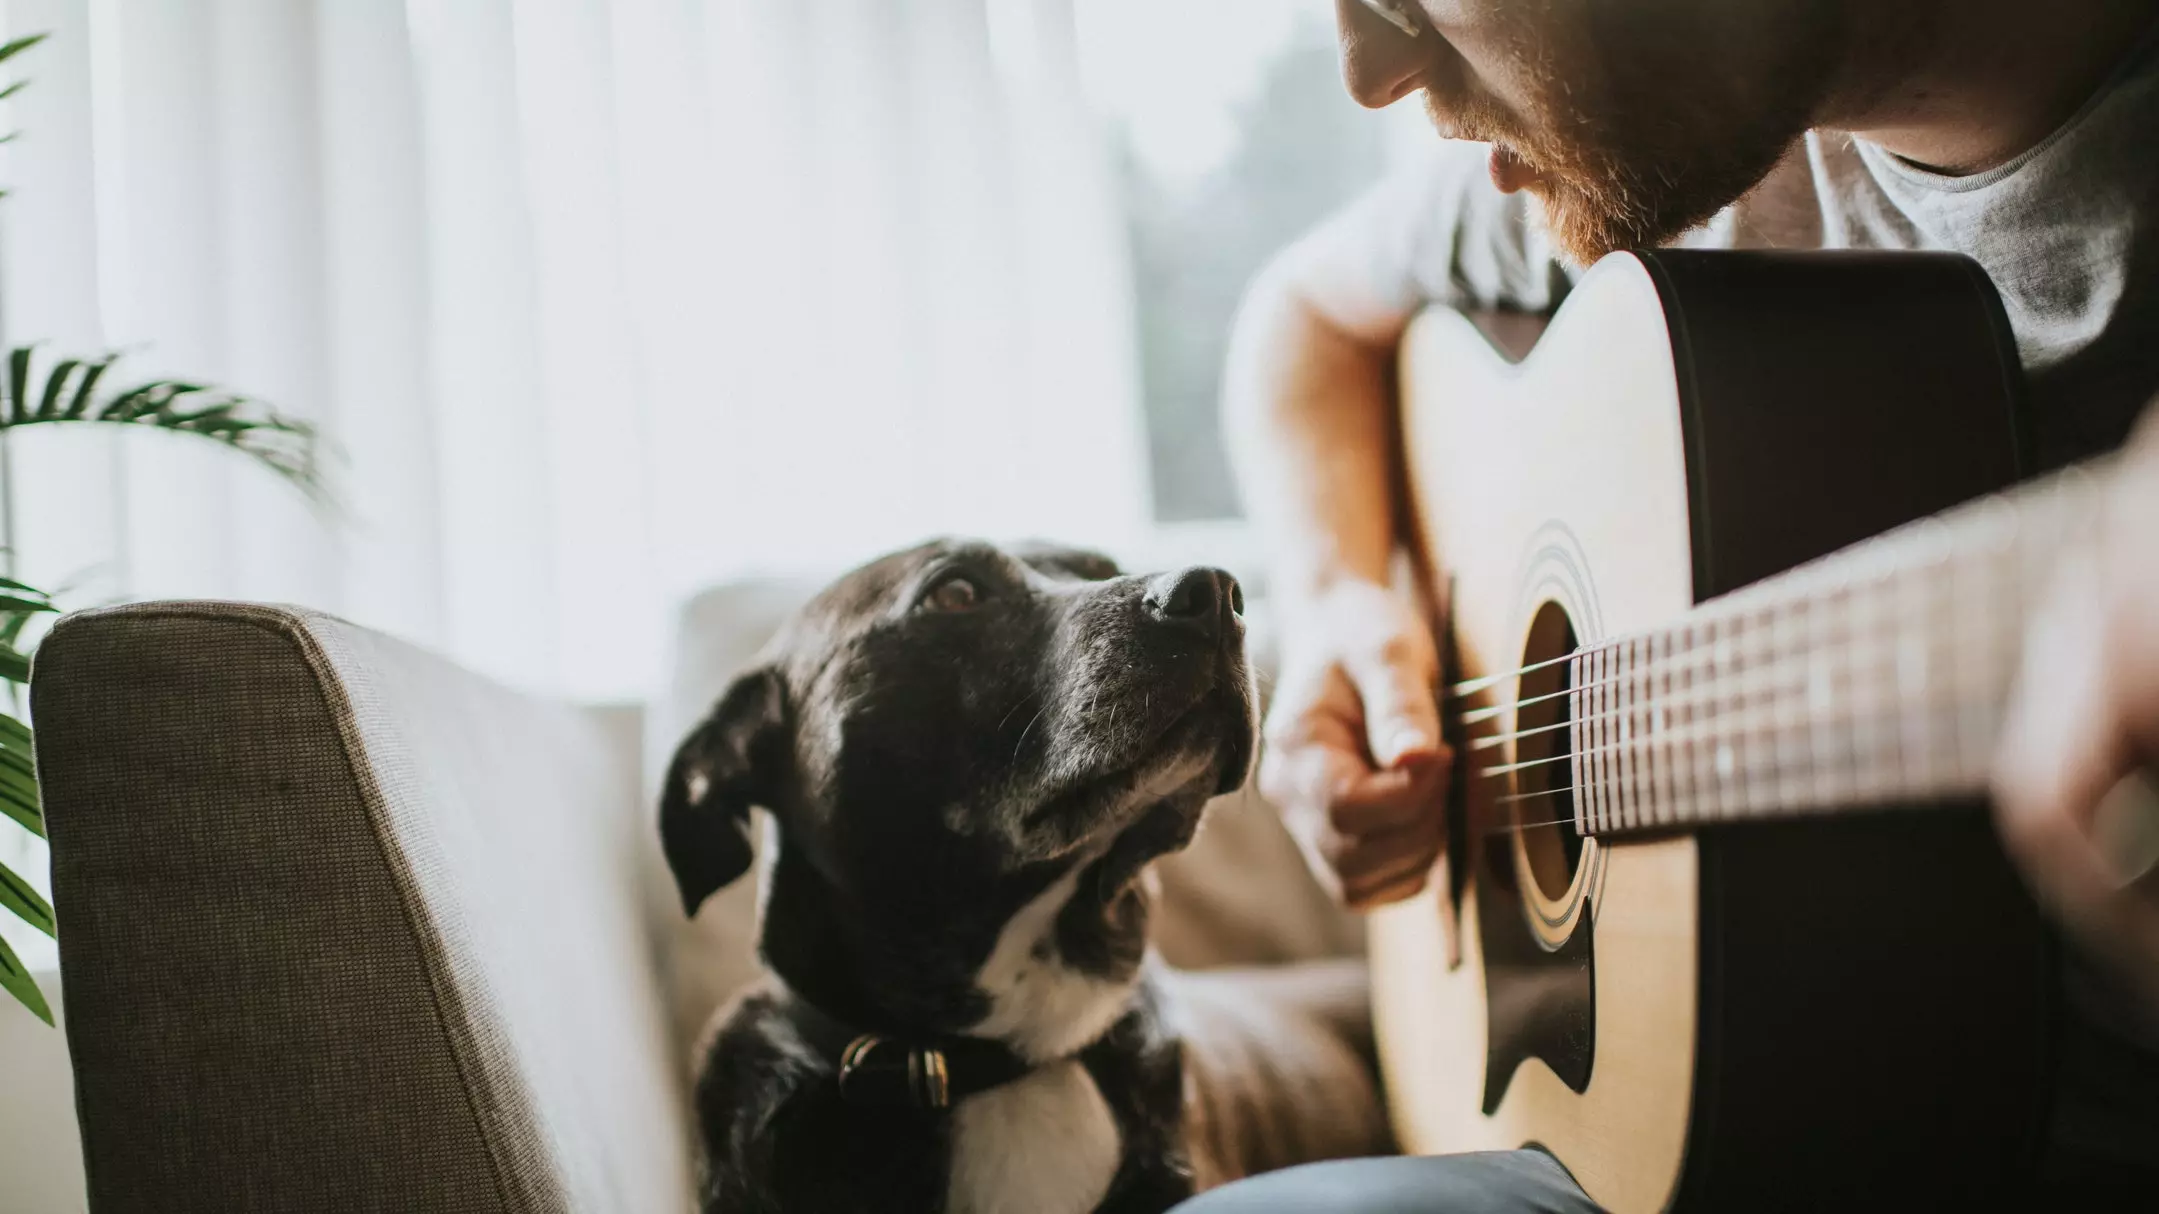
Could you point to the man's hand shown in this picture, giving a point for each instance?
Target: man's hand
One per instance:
(1354, 758)
(2085, 716)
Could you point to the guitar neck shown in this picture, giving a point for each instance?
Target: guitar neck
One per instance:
(1874, 675)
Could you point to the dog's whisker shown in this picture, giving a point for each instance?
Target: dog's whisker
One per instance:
(1023, 733)
(1015, 708)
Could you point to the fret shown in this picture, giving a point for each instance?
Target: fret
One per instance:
(1585, 791)
(1863, 666)
(1915, 741)
(1646, 726)
(1667, 788)
(1607, 795)
(1615, 733)
(1623, 734)
(1682, 683)
(1758, 744)
(1821, 653)
(1787, 711)
(1630, 724)
(1696, 679)
(1724, 756)
(1708, 796)
(1592, 775)
(1646, 722)
(1732, 709)
(1608, 683)
(1971, 732)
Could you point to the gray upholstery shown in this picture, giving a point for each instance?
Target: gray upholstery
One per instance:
(346, 928)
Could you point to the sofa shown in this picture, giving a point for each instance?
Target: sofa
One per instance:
(344, 926)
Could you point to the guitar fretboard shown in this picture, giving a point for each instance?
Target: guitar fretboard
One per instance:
(1875, 675)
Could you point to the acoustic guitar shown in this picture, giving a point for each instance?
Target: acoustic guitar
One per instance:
(1723, 923)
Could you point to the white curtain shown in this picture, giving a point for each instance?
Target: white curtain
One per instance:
(601, 300)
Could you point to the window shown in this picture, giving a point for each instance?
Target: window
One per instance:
(1231, 134)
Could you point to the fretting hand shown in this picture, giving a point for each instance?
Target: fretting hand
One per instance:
(2077, 803)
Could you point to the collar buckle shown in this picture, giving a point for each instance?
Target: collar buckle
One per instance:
(878, 1072)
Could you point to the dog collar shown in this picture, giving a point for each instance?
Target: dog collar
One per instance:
(880, 1070)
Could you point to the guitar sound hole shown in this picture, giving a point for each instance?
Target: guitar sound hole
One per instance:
(1544, 816)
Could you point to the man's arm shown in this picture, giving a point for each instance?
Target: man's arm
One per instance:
(1353, 753)
(1354, 756)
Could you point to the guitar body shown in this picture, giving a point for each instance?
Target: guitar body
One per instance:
(1813, 1013)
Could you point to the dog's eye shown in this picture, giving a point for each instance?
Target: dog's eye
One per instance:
(952, 594)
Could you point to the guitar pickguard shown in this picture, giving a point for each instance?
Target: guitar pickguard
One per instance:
(1539, 1001)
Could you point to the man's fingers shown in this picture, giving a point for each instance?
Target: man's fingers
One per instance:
(1373, 896)
(2058, 754)
(1394, 832)
(1401, 716)
(1385, 852)
(1371, 870)
(1370, 803)
(1305, 778)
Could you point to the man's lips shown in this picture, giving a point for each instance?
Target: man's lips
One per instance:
(1510, 172)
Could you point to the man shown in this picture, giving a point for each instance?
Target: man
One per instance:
(2026, 136)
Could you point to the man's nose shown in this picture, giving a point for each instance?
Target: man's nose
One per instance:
(1380, 63)
(1200, 597)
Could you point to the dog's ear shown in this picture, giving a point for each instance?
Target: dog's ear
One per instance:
(723, 768)
(1058, 560)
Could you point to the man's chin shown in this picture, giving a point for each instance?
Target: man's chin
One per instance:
(1585, 225)
(1579, 233)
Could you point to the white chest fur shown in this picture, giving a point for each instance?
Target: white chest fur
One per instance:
(1044, 1144)
(1038, 1005)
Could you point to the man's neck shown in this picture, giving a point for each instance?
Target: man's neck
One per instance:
(1960, 86)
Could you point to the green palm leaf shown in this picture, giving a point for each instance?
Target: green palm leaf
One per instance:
(68, 393)
(19, 45)
(55, 385)
(18, 983)
(18, 380)
(18, 895)
(22, 805)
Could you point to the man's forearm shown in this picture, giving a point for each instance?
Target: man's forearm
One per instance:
(1308, 408)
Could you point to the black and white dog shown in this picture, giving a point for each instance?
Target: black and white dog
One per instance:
(971, 756)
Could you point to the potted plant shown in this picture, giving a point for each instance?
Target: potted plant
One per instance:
(78, 392)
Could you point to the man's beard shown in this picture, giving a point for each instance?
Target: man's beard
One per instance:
(1634, 151)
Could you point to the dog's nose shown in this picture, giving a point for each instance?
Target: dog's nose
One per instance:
(1195, 596)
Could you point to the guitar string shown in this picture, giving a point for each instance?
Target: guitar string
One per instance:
(1725, 656)
(1762, 713)
(1988, 551)
(1733, 731)
(1779, 766)
(1773, 675)
(1687, 662)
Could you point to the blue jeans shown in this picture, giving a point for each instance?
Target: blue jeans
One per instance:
(1490, 1182)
